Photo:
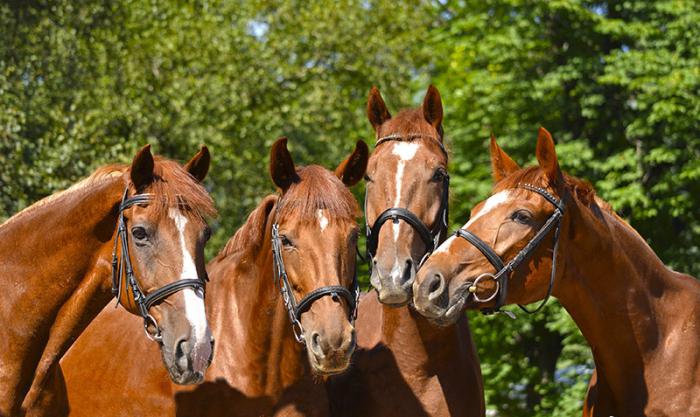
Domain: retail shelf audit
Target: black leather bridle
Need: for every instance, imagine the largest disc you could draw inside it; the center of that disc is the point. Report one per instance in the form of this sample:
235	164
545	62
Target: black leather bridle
430	237
503	270
296	308
121	265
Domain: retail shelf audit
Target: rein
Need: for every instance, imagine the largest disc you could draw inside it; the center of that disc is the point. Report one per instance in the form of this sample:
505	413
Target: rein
296	308
121	265
503	270
430	237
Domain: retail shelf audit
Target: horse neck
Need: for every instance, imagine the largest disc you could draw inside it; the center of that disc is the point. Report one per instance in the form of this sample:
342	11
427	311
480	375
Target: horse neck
68	235
612	284
47	307
256	351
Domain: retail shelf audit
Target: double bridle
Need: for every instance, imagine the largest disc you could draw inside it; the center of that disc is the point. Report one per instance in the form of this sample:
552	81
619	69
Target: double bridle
431	237
296	308
503	270
121	265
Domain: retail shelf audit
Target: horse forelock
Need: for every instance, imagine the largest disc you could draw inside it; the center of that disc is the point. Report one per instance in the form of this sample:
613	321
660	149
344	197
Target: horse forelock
411	122
318	189
172	186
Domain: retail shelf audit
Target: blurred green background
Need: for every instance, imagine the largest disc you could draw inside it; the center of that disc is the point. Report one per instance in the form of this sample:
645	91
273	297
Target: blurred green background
87	82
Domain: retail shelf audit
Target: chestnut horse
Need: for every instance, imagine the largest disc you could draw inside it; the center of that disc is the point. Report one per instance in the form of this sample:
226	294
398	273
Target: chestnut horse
134	231
544	231
404	365
259	367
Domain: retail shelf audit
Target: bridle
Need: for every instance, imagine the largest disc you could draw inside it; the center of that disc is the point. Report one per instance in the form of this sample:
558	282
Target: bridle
296	308
503	270
430	237
121	265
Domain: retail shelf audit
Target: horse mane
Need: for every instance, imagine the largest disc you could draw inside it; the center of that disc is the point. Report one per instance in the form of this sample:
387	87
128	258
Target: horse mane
249	237
318	189
172	185
581	190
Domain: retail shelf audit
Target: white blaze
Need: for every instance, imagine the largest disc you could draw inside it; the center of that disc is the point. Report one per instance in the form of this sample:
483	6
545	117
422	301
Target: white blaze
405	151
490	204
194	304
322	219
493	202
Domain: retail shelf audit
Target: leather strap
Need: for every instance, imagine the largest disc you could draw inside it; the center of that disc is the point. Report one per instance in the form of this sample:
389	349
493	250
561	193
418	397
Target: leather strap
483	247
122	267
431	238
296	309
503	271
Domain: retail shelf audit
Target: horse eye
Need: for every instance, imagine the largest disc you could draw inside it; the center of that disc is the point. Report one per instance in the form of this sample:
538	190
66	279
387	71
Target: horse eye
521	216
438	175
207	234
368	178
285	240
138	232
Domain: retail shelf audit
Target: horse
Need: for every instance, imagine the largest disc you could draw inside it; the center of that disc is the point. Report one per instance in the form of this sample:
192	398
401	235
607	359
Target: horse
136	232
404	365
281	302
543	231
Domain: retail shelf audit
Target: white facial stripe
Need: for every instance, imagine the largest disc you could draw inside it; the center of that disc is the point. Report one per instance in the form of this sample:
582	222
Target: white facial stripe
493	202
322	219
445	247
405	151
194	304
490	204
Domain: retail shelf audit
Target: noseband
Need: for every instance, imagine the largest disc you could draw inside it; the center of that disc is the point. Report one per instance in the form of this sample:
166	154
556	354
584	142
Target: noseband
296	308
504	270
122	266
430	237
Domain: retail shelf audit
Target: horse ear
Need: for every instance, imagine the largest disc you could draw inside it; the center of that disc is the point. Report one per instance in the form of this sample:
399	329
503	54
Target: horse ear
198	166
353	168
377	112
141	171
432	108
547	157
282	168
501	164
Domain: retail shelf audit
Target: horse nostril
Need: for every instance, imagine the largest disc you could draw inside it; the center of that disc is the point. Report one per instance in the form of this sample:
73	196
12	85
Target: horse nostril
180	348
316	343
436	286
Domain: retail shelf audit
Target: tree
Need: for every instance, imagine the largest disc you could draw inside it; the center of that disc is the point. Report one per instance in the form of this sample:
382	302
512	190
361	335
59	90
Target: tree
83	84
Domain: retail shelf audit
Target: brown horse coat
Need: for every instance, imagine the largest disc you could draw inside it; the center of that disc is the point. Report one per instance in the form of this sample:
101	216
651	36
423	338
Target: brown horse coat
404	365
641	319
55	267
258	368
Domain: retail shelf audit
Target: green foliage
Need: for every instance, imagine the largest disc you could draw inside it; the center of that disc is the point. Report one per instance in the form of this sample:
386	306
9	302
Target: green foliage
84	83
